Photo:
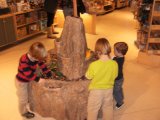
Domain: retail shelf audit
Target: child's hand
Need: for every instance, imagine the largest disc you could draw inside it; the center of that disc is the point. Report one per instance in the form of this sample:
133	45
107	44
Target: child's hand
41	81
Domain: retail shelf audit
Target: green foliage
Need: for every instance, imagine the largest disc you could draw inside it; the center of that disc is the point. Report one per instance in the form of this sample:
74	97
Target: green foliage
56	74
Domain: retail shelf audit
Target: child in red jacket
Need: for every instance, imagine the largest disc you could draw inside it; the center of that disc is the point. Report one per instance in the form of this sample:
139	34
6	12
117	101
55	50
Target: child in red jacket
27	72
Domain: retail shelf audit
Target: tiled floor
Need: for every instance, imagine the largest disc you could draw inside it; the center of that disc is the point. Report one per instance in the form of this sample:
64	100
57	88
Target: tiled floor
141	85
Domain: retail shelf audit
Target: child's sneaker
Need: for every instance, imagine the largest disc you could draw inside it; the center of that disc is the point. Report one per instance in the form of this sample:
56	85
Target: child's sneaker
28	115
118	106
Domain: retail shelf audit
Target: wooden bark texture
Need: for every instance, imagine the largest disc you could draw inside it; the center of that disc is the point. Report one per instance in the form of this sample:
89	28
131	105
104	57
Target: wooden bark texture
72	48
60	99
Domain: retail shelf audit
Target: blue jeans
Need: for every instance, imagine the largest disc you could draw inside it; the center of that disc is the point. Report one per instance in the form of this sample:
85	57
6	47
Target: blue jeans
118	91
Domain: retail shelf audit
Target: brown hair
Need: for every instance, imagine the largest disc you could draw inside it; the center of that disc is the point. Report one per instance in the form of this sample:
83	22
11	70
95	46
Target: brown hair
38	51
121	47
102	47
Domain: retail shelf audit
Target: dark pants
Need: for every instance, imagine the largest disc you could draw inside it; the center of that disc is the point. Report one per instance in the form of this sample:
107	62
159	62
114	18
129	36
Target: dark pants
50	18
118	91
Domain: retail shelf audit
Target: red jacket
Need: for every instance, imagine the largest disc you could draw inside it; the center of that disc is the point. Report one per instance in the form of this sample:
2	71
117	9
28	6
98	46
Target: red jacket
27	69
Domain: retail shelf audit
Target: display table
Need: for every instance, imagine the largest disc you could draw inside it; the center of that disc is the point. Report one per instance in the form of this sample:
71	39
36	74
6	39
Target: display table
89	21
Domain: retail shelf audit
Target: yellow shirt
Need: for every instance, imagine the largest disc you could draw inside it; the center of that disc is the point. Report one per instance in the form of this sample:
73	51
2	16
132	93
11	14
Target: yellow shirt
102	73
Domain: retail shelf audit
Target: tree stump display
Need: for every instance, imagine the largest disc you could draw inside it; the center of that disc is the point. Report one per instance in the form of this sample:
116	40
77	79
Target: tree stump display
60	99
65	98
72	49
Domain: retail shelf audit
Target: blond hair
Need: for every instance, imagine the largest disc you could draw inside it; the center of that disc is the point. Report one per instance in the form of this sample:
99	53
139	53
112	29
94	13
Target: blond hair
121	47
102	47
38	51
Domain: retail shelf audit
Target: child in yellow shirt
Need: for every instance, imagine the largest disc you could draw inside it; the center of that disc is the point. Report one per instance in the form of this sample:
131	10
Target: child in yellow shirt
102	74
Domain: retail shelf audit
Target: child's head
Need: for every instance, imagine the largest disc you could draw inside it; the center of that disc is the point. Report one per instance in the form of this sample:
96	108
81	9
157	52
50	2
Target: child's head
38	51
120	48
102	47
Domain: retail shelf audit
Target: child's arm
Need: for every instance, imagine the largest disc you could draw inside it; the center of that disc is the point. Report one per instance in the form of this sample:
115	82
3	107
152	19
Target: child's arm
44	69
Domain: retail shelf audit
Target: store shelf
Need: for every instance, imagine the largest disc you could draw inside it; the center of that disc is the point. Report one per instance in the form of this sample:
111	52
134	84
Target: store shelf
6	15
151	52
155	13
30	35
154	52
27	24
26	11
154	40
155	27
18	26
22	12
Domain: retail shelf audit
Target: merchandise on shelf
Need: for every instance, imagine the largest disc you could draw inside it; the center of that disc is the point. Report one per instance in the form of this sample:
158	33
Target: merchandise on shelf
3	4
154	46
156	20
143	14
142	36
20	19
33	28
157	6
36	3
22	6
21	32
4	9
155	34
99	6
31	17
42	15
43	25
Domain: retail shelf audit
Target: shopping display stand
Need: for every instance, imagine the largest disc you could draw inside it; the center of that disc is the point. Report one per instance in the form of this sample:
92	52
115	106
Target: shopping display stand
18	26
150	49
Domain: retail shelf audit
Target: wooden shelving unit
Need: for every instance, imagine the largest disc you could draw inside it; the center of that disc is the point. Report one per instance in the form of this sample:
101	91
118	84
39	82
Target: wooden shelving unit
153	42
28	23
148	36
21	25
30	35
7	30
